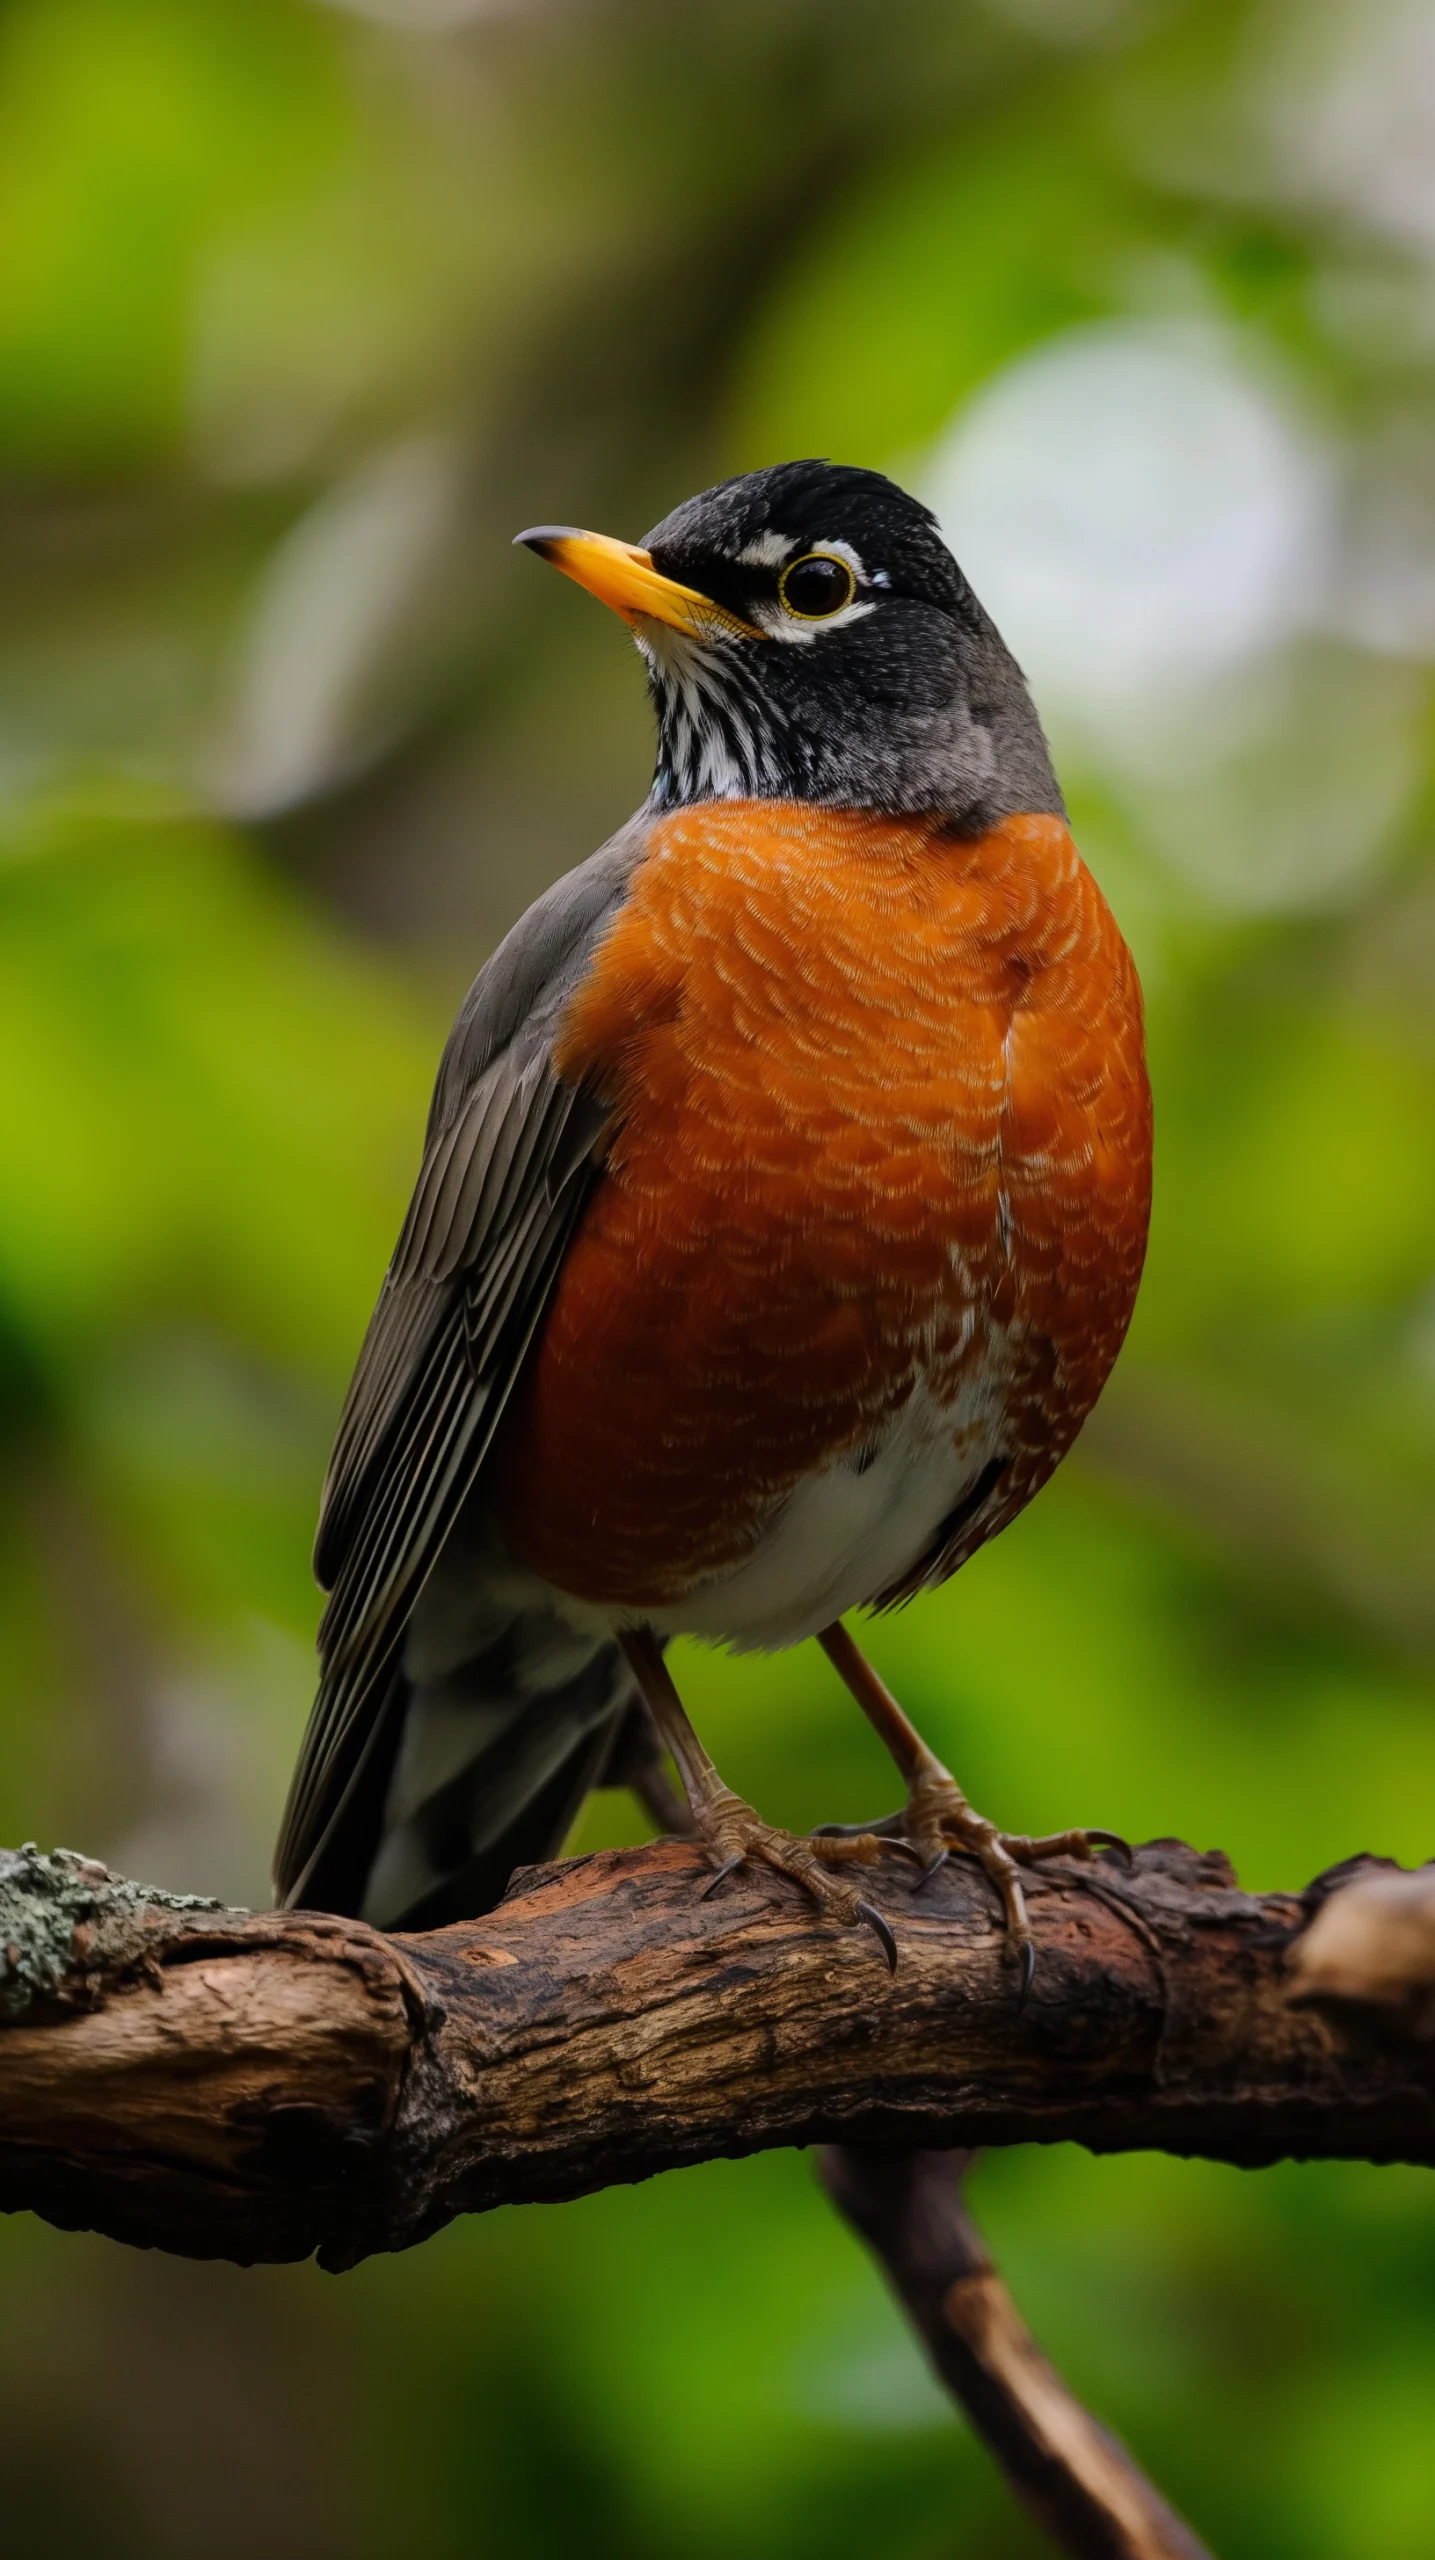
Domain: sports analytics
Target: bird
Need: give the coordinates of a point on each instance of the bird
(781, 1213)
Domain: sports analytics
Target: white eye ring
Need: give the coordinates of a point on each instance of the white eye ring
(828, 559)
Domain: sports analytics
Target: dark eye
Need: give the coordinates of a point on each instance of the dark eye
(816, 586)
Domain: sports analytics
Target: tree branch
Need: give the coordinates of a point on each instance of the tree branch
(261, 2086)
(1076, 2478)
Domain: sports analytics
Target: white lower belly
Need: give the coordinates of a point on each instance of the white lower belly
(842, 1536)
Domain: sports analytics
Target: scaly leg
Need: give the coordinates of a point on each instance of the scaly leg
(938, 1817)
(635, 1761)
(729, 1829)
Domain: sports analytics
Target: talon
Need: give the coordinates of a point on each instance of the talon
(737, 1837)
(850, 1832)
(861, 1841)
(881, 1931)
(844, 1848)
(941, 1823)
(1113, 1840)
(909, 1849)
(888, 1831)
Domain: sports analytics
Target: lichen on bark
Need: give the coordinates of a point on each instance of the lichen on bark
(66, 1920)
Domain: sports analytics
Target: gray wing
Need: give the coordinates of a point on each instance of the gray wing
(510, 1160)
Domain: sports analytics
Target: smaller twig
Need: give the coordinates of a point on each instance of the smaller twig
(1070, 2472)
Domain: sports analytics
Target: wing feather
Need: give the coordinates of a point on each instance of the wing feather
(511, 1159)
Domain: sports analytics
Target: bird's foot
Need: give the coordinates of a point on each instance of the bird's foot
(734, 1835)
(939, 1821)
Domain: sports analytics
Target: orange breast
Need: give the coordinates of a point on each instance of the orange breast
(883, 1113)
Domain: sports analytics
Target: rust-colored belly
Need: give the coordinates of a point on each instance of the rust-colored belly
(884, 1118)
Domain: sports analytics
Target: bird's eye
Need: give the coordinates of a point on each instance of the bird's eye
(816, 586)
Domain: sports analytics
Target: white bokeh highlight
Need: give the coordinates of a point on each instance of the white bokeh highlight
(1137, 512)
(322, 628)
(1347, 94)
(1157, 530)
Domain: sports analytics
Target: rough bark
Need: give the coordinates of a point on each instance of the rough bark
(261, 2086)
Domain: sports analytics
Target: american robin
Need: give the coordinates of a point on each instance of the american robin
(781, 1214)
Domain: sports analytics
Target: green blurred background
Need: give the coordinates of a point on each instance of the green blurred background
(304, 309)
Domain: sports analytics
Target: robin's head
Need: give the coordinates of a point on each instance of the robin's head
(808, 635)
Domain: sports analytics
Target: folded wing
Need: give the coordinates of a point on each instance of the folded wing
(510, 1160)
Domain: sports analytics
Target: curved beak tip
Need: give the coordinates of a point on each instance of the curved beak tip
(542, 537)
(622, 576)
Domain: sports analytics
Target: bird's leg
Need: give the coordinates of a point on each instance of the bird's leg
(938, 1817)
(635, 1760)
(730, 1830)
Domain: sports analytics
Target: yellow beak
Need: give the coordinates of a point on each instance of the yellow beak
(620, 575)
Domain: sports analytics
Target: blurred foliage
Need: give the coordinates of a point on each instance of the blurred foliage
(303, 310)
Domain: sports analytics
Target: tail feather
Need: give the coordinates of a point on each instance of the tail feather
(495, 1760)
(496, 1717)
(536, 1832)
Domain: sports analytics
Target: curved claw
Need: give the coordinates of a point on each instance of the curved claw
(1028, 1974)
(909, 1849)
(728, 1868)
(888, 1832)
(881, 1931)
(933, 1867)
(1113, 1840)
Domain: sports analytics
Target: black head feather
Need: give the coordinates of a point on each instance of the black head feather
(906, 698)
